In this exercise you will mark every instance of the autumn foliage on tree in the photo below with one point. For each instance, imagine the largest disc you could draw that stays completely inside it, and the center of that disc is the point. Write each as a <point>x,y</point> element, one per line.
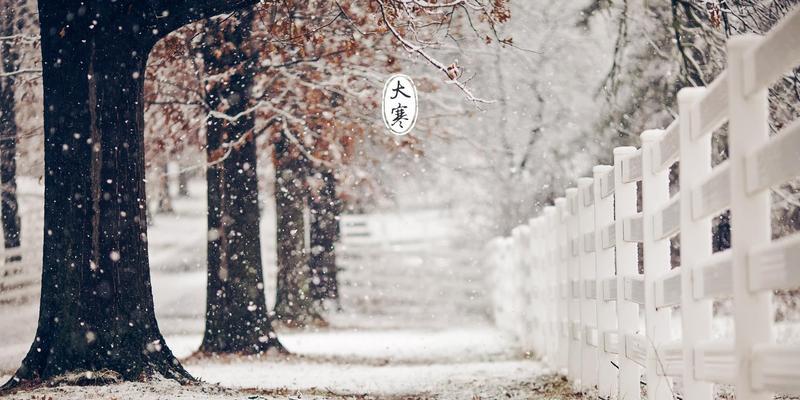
<point>332,59</point>
<point>320,95</point>
<point>317,71</point>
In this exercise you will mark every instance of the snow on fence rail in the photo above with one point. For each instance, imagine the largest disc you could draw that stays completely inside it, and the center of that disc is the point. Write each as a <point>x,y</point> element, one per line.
<point>572,273</point>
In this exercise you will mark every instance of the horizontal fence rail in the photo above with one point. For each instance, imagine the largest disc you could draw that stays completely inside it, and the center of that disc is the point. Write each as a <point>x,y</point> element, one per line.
<point>569,283</point>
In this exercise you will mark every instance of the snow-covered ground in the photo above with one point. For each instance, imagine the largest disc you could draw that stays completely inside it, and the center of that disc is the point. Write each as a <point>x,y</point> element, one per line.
<point>415,324</point>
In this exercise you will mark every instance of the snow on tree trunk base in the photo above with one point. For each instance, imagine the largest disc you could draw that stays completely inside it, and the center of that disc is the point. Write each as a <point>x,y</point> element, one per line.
<point>92,364</point>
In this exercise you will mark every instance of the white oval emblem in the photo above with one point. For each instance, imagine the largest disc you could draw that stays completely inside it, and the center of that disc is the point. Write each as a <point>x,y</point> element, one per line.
<point>399,104</point>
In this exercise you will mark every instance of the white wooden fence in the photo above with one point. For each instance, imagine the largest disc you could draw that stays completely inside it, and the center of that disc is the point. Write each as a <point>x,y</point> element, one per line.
<point>398,231</point>
<point>572,273</point>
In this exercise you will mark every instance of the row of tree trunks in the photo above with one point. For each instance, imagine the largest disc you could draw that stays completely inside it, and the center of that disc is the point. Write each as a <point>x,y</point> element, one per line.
<point>8,138</point>
<point>96,308</point>
<point>237,317</point>
<point>96,312</point>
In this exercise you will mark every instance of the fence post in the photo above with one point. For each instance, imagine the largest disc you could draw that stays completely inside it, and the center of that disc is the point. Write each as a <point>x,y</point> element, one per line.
<point>531,281</point>
<point>750,213</point>
<point>563,283</point>
<point>606,310</point>
<point>695,166</point>
<point>535,279</point>
<point>655,194</point>
<point>546,287</point>
<point>627,263</point>
<point>551,280</point>
<point>524,268</point>
<point>588,284</point>
<point>575,342</point>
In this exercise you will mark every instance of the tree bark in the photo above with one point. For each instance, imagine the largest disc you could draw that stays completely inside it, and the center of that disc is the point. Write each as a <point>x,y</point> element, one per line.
<point>237,317</point>
<point>183,183</point>
<point>8,141</point>
<point>324,206</point>
<point>96,308</point>
<point>164,193</point>
<point>294,305</point>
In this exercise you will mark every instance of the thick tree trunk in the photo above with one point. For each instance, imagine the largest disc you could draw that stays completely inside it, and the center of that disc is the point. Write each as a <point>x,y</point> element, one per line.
<point>294,305</point>
<point>96,309</point>
<point>237,317</point>
<point>96,304</point>
<point>8,142</point>
<point>324,227</point>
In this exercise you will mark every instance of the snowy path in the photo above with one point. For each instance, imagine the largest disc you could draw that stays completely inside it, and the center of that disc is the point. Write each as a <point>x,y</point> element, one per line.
<point>467,363</point>
<point>377,362</point>
<point>415,325</point>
